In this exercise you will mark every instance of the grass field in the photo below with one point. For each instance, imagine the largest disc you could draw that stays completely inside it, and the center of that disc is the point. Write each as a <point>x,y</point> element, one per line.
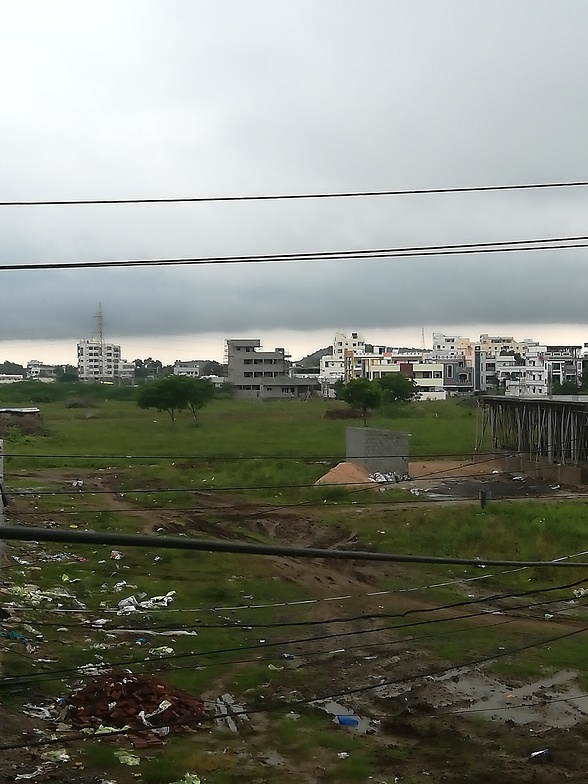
<point>261,449</point>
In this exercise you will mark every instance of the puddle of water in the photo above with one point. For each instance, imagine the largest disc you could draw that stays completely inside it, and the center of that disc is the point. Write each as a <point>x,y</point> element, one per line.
<point>358,724</point>
<point>555,702</point>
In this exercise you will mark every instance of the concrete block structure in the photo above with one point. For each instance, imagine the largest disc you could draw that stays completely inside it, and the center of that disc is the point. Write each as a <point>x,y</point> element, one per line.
<point>263,374</point>
<point>384,451</point>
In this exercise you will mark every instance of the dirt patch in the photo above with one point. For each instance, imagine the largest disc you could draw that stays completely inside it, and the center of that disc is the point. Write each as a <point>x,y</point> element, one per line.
<point>417,728</point>
<point>346,474</point>
<point>27,424</point>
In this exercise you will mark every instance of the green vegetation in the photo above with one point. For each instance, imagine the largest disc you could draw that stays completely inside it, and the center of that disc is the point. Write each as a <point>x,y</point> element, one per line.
<point>361,394</point>
<point>389,394</point>
<point>176,393</point>
<point>122,449</point>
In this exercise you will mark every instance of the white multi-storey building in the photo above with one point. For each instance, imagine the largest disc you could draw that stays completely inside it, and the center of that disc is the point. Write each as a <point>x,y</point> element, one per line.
<point>189,367</point>
<point>38,371</point>
<point>102,362</point>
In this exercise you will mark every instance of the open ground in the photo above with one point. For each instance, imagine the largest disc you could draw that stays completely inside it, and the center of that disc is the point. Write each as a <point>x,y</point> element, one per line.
<point>453,674</point>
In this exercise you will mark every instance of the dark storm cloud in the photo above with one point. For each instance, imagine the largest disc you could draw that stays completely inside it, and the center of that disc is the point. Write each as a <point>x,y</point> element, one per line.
<point>163,99</point>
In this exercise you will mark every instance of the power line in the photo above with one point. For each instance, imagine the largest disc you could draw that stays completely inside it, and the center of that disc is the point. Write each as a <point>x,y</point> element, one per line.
<point>230,457</point>
<point>502,246</point>
<point>299,196</point>
<point>345,619</point>
<point>20,533</point>
<point>434,672</point>
<point>47,674</point>
<point>366,483</point>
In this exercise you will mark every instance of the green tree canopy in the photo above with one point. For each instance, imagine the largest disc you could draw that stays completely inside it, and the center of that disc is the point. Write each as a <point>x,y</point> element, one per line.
<point>176,393</point>
<point>66,373</point>
<point>362,394</point>
<point>397,388</point>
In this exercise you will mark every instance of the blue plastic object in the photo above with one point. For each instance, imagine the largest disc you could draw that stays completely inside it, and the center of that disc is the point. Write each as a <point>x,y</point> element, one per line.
<point>347,721</point>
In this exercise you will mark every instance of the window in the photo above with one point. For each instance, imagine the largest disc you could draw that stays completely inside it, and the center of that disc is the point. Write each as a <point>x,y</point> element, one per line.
<point>247,361</point>
<point>268,361</point>
<point>258,361</point>
<point>258,375</point>
<point>449,371</point>
<point>248,375</point>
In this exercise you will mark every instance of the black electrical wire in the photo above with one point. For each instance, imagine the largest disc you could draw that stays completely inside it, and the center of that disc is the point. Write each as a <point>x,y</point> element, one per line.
<point>300,196</point>
<point>344,619</point>
<point>22,533</point>
<point>499,246</point>
<point>442,473</point>
<point>344,693</point>
<point>46,675</point>
<point>230,457</point>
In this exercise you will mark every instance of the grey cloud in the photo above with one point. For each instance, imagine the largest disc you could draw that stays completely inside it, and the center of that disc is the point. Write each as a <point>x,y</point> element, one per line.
<point>180,98</point>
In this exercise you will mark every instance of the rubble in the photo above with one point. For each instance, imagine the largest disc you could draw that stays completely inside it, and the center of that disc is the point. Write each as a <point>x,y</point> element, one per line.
<point>139,701</point>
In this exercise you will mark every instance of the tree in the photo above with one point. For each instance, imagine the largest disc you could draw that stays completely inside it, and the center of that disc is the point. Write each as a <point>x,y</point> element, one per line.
<point>363,394</point>
<point>198,391</point>
<point>66,374</point>
<point>147,368</point>
<point>511,353</point>
<point>397,388</point>
<point>212,368</point>
<point>12,369</point>
<point>176,393</point>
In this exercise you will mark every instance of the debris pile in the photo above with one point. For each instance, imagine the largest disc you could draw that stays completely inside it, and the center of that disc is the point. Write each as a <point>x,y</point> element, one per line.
<point>123,699</point>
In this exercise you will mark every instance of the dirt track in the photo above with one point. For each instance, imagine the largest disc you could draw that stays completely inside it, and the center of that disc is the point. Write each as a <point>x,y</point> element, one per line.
<point>411,716</point>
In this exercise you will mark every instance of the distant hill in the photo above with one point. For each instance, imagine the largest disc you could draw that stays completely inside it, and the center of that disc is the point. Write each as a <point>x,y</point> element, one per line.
<point>313,360</point>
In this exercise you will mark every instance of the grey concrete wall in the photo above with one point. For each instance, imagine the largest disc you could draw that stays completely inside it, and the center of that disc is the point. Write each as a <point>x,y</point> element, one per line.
<point>377,450</point>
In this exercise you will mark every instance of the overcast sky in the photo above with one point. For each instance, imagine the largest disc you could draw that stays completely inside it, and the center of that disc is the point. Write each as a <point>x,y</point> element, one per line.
<point>137,98</point>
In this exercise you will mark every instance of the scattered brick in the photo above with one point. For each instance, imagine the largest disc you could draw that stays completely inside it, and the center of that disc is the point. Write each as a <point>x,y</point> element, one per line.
<point>116,699</point>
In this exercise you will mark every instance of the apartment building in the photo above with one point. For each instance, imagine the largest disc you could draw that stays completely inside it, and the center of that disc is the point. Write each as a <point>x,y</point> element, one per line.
<point>102,362</point>
<point>189,368</point>
<point>263,374</point>
<point>544,367</point>
<point>39,371</point>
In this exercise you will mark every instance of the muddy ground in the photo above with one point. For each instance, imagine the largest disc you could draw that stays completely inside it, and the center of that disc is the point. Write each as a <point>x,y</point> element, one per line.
<point>432,724</point>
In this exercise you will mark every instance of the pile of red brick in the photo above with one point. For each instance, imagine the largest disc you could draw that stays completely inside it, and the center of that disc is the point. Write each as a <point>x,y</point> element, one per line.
<point>125,699</point>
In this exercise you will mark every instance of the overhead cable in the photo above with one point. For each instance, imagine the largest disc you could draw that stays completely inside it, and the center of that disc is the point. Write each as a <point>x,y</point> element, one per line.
<point>299,196</point>
<point>502,246</point>
<point>282,704</point>
<point>22,533</point>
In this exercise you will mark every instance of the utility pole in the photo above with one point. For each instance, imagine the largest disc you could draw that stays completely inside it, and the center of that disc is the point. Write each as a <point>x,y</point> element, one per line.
<point>100,330</point>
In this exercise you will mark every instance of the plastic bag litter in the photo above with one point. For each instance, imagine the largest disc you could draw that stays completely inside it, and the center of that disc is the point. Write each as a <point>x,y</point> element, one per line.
<point>163,706</point>
<point>127,759</point>
<point>56,755</point>
<point>163,650</point>
<point>116,555</point>
<point>37,772</point>
<point>539,756</point>
<point>132,604</point>
<point>189,778</point>
<point>37,711</point>
<point>104,730</point>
